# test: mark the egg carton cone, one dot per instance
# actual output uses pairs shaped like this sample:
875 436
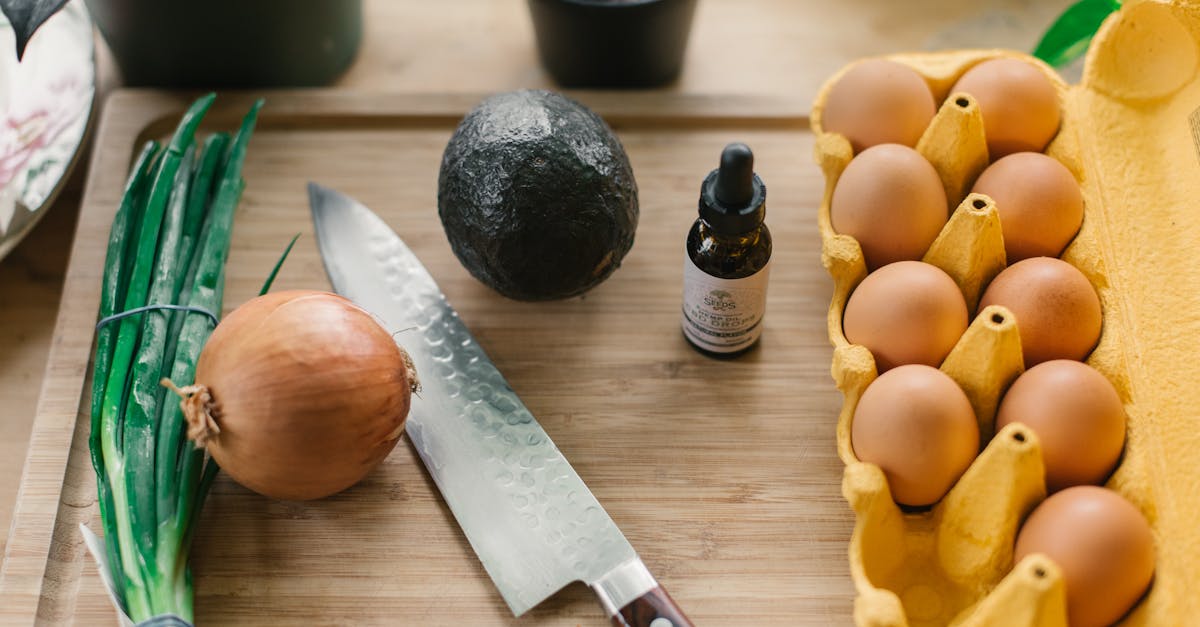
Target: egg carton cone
1130 134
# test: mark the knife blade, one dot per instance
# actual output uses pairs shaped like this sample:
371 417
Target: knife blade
532 521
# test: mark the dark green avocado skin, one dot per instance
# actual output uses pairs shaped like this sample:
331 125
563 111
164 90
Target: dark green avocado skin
537 196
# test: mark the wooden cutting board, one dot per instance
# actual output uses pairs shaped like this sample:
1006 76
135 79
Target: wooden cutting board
723 475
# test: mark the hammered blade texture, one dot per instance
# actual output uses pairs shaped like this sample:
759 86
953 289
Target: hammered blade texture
530 518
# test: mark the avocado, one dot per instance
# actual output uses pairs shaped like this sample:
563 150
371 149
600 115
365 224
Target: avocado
537 196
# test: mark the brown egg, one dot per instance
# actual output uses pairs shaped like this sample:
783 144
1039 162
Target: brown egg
916 424
891 200
1057 310
1019 105
1102 544
907 312
1077 416
879 102
1039 204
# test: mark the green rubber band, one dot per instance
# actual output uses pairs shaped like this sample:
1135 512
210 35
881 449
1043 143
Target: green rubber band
137 310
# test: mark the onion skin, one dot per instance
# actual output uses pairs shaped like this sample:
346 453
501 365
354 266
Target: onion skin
299 394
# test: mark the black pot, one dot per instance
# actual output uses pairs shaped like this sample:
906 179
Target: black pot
612 43
230 43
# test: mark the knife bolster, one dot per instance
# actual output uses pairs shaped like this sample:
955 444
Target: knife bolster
622 585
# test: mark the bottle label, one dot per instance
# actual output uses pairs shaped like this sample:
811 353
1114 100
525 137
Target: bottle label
723 315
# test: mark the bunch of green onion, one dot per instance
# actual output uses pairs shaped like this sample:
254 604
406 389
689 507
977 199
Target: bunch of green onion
168 246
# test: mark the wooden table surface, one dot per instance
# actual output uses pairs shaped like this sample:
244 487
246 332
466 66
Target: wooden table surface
758 47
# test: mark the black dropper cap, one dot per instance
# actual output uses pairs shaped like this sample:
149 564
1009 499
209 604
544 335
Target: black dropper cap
733 199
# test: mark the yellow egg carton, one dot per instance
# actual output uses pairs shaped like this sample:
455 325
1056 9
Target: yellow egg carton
1131 135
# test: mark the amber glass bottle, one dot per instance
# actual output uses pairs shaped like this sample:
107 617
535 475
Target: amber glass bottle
728 259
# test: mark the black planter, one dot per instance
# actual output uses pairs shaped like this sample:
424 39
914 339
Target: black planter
612 43
230 43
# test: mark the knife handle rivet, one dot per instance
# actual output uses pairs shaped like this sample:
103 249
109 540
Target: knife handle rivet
661 622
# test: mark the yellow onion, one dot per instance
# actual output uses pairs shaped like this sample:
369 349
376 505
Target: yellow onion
299 394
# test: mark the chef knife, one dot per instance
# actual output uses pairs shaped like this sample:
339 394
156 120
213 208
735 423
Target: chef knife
530 518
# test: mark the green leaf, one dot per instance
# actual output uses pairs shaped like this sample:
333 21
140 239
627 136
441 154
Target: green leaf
1068 37
278 264
26 16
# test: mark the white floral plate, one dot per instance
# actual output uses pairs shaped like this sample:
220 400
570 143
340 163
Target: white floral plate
45 107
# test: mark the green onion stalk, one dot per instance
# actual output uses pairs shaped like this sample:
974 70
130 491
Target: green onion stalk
1069 36
168 245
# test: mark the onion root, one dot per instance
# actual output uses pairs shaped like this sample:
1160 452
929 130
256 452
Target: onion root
198 409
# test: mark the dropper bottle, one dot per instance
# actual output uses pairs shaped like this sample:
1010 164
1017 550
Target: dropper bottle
728 258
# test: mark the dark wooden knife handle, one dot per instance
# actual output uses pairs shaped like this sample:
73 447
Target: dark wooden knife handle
653 609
